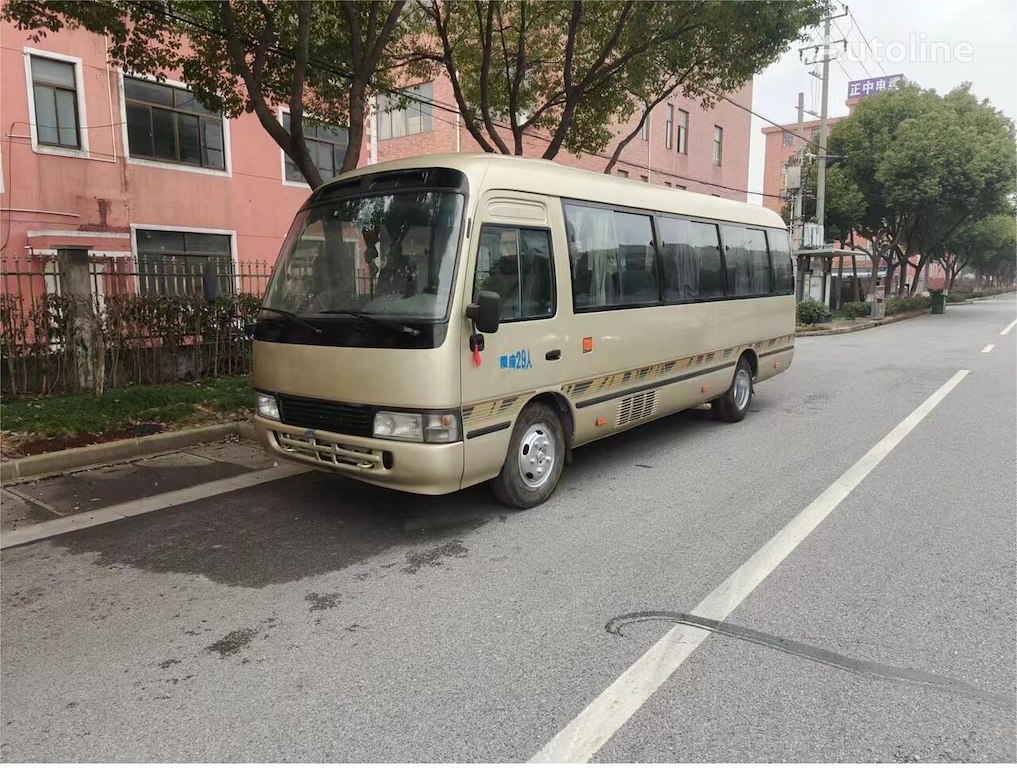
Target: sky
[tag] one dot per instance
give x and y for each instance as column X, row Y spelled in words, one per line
column 937, row 44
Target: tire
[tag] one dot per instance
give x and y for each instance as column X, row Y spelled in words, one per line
column 535, row 459
column 734, row 404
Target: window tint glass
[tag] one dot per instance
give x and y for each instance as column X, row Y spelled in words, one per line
column 690, row 260
column 612, row 257
column 53, row 72
column 516, row 264
column 747, row 261
column 783, row 269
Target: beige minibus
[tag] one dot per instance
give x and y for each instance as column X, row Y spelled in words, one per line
column 441, row 321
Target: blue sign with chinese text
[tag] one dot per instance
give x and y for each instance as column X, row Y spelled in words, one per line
column 858, row 89
column 517, row 361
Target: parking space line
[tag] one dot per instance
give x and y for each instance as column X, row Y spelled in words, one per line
column 1009, row 328
column 988, row 348
column 141, row 506
column 580, row 740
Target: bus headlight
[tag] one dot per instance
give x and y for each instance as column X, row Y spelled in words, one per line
column 267, row 406
column 399, row 426
column 420, row 428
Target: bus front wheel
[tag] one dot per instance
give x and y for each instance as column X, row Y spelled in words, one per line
column 535, row 458
column 734, row 404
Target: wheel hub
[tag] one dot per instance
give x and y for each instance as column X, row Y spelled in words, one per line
column 537, row 454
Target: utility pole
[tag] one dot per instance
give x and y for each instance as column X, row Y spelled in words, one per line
column 823, row 128
column 798, row 212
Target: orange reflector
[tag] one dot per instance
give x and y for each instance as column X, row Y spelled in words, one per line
column 601, row 421
column 705, row 389
column 588, row 344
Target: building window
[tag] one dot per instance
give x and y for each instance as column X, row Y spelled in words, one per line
column 623, row 174
column 645, row 179
column 669, row 127
column 325, row 143
column 644, row 132
column 814, row 134
column 667, row 183
column 169, row 124
column 789, row 138
column 395, row 121
column 172, row 263
column 718, row 145
column 55, row 91
column 683, row 131
column 679, row 186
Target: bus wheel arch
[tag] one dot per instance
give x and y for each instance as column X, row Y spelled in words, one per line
column 559, row 403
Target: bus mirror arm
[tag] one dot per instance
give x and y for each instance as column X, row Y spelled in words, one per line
column 486, row 312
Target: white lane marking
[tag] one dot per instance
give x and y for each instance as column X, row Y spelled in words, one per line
column 580, row 740
column 141, row 506
column 1009, row 328
column 988, row 348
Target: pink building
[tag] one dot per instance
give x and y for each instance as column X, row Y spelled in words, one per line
column 131, row 167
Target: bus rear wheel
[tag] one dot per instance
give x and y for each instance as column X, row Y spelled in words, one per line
column 734, row 404
column 535, row 459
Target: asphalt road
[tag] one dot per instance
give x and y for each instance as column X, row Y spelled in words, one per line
column 313, row 619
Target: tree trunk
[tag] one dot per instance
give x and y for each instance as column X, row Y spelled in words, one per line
column 855, row 284
column 840, row 282
column 358, row 115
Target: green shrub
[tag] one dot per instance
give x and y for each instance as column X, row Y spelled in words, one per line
column 897, row 306
column 857, row 309
column 811, row 311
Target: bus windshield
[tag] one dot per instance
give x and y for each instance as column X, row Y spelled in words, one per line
column 390, row 255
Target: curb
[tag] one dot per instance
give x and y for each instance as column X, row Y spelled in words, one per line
column 865, row 327
column 118, row 450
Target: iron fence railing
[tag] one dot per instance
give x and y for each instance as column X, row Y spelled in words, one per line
column 145, row 321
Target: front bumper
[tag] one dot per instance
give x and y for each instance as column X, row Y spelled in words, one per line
column 425, row 468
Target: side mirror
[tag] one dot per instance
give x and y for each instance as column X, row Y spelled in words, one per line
column 486, row 313
column 210, row 281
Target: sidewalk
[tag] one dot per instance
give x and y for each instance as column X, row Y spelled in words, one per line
column 52, row 498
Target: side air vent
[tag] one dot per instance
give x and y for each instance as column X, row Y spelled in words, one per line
column 636, row 407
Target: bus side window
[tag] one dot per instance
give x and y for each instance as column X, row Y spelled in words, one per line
column 515, row 263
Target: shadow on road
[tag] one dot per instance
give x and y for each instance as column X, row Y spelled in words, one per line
column 316, row 523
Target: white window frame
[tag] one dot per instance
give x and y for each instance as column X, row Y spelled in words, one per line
column 682, row 134
column 79, row 93
column 282, row 155
column 718, row 147
column 234, row 261
column 227, row 148
column 282, row 158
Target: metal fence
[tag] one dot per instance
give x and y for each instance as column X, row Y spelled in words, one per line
column 144, row 321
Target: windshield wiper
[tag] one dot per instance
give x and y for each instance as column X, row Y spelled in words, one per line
column 374, row 319
column 293, row 317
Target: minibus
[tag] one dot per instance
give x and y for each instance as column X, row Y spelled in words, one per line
column 441, row 321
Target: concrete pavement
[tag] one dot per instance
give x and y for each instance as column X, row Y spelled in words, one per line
column 314, row 619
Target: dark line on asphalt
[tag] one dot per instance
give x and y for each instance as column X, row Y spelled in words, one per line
column 812, row 653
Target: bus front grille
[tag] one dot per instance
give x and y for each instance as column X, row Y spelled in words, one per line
column 327, row 452
column 322, row 414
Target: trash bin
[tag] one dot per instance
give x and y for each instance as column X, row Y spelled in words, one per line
column 938, row 302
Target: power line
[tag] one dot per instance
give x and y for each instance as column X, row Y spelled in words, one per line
column 865, row 69
column 858, row 26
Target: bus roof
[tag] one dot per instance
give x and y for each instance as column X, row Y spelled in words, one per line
column 495, row 171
